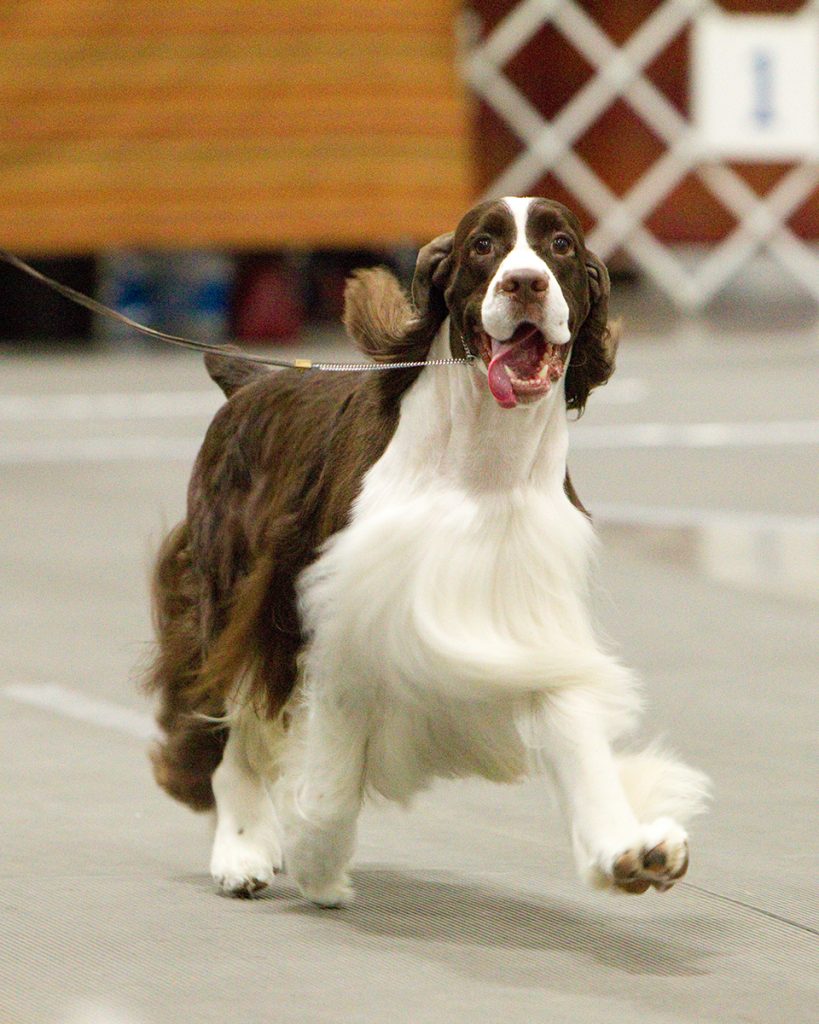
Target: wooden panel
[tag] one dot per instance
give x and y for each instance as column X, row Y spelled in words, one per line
column 251, row 124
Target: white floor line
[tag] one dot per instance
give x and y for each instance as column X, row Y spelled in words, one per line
column 696, row 435
column 622, row 391
column 135, row 405
column 113, row 405
column 98, row 449
column 771, row 554
column 675, row 518
column 60, row 700
column 588, row 438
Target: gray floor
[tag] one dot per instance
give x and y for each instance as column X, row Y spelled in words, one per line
column 467, row 907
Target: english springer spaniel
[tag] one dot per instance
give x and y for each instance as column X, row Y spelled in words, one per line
column 381, row 578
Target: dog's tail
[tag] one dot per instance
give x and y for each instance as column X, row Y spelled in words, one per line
column 231, row 373
column 192, row 745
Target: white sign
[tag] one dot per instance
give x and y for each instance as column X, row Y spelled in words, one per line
column 755, row 86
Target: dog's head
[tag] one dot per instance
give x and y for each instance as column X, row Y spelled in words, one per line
column 525, row 296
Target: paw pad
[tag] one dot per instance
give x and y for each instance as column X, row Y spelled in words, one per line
column 660, row 866
column 244, row 888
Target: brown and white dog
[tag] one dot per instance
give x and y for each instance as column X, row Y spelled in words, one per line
column 381, row 578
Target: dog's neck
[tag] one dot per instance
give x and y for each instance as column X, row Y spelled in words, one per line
column 457, row 430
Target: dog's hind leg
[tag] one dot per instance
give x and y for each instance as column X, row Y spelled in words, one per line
column 319, row 797
column 246, row 851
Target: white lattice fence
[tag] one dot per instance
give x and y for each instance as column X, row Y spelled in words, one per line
column 619, row 73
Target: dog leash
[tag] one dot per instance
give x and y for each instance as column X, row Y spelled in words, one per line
column 202, row 346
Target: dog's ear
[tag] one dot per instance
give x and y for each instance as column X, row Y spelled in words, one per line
column 599, row 283
column 431, row 275
column 595, row 347
column 383, row 322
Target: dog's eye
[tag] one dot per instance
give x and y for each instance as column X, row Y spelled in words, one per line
column 562, row 245
column 482, row 245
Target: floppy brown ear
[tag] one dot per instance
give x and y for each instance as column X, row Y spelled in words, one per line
column 595, row 347
column 383, row 322
column 431, row 274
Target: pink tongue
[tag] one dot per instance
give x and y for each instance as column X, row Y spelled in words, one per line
column 519, row 352
column 499, row 383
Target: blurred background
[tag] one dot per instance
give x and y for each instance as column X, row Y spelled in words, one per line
column 215, row 168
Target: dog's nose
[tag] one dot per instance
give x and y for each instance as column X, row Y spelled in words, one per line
column 526, row 285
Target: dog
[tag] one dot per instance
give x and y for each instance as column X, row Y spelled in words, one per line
column 382, row 576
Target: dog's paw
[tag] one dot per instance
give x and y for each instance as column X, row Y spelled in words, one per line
column 336, row 894
column 241, row 865
column 658, row 857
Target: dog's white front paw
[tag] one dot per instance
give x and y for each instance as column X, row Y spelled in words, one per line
column 317, row 864
column 242, row 864
column 329, row 894
column 318, row 846
column 656, row 856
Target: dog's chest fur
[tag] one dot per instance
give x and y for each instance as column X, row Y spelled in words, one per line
column 445, row 604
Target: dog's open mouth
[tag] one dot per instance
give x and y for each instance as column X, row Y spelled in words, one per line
column 522, row 368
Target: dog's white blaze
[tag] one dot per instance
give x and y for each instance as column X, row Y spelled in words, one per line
column 498, row 312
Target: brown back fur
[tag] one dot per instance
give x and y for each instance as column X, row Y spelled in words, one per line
column 279, row 469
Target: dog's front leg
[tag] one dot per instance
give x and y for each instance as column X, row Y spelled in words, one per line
column 612, row 847
column 319, row 799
